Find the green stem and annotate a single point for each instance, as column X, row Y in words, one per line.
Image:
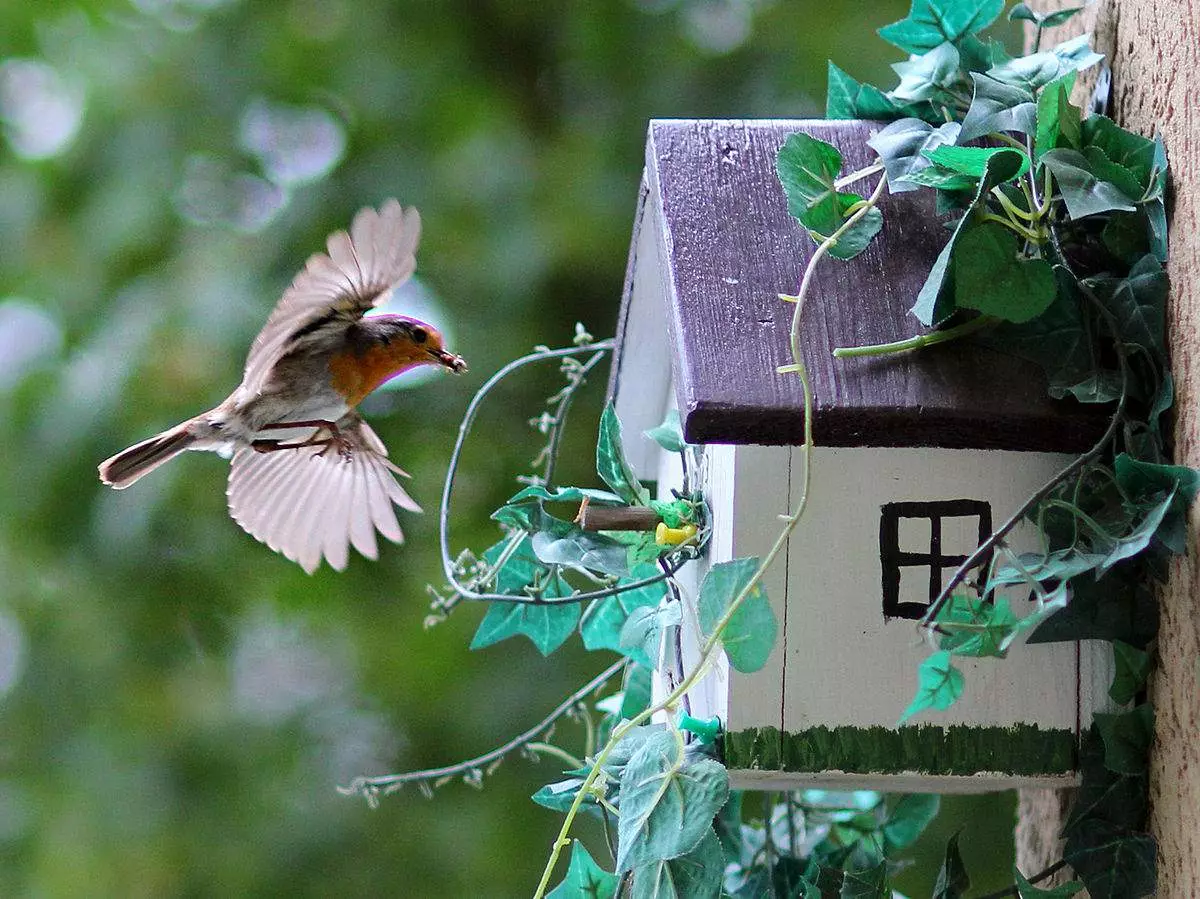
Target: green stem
column 1012, row 208
column 866, row 172
column 556, row 751
column 1019, row 230
column 1008, row 139
column 918, row 341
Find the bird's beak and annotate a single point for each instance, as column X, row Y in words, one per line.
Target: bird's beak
column 455, row 363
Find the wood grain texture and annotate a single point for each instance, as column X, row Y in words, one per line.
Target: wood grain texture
column 1038, row 835
column 729, row 247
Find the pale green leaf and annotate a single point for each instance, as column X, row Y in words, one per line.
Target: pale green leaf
column 750, row 634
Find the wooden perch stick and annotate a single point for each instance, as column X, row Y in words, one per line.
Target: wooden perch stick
column 616, row 518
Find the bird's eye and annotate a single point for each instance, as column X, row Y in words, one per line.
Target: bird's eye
column 419, row 335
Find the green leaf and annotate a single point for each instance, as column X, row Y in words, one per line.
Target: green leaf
column 974, row 161
column 585, row 879
column 1037, row 70
column 642, row 632
column 669, row 434
column 750, row 634
column 867, row 883
column 927, row 77
column 848, row 99
column 1148, row 479
column 996, row 106
column 604, row 618
column 1050, row 20
column 1126, row 149
column 1120, row 800
column 1127, row 737
column 1081, row 190
column 939, row 684
column 1058, row 120
column 907, row 820
column 953, row 881
column 1133, row 666
column 564, row 495
column 546, row 626
column 807, row 168
column 1118, row 606
column 992, row 277
column 560, row 796
column 1060, row 565
column 901, row 147
column 635, row 697
column 696, row 875
column 1026, row 890
column 1112, row 862
column 1138, row 303
column 976, row 628
column 1132, row 543
column 1116, row 174
column 933, row 22
column 611, row 464
column 668, row 801
column 581, row 550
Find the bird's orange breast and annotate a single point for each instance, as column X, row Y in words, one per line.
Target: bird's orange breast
column 354, row 375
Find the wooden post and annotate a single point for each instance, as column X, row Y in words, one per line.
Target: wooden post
column 1153, row 47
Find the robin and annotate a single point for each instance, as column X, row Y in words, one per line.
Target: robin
column 309, row 477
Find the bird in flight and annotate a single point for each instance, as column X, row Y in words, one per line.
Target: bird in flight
column 309, row 477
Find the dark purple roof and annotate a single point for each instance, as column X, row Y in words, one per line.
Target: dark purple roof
column 731, row 248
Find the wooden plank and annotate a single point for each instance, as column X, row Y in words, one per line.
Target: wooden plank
column 729, row 247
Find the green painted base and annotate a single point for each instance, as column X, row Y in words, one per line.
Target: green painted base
column 1022, row 749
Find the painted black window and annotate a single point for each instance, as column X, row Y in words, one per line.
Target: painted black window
column 920, row 546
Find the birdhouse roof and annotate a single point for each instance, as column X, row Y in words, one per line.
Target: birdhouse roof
column 713, row 247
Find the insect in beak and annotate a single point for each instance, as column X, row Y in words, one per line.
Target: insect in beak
column 455, row 363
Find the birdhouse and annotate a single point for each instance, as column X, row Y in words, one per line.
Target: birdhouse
column 918, row 456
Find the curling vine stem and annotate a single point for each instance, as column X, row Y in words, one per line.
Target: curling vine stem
column 373, row 787
column 978, row 323
column 708, row 650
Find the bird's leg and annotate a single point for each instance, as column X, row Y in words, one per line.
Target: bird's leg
column 335, row 439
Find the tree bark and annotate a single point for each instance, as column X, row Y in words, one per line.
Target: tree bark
column 1153, row 47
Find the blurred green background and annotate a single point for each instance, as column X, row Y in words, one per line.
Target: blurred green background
column 177, row 703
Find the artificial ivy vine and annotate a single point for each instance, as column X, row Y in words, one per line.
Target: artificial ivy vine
column 1057, row 239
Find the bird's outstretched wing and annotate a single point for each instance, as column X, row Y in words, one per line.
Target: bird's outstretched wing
column 338, row 287
column 307, row 504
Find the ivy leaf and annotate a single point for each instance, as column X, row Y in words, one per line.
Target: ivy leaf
column 560, row 796
column 1116, row 174
column 846, row 98
column 1139, row 538
column 696, row 875
column 1127, row 737
column 1060, row 565
column 1056, row 340
column 939, row 684
column 953, row 881
column 547, row 627
column 902, row 145
column 581, row 550
column 1050, row 20
column 1026, row 890
column 750, row 634
column 997, row 106
column 867, row 883
column 935, row 302
column 1035, row 71
column 604, row 618
column 1105, row 795
column 992, row 277
column 807, row 168
column 668, row 801
column 974, row 161
column 611, row 465
column 1059, row 122
column 585, row 879
column 907, row 820
column 928, row 76
column 1113, row 863
column 1132, row 151
column 641, row 634
column 1082, row 191
column 635, row 697
column 933, row 22
column 1142, row 479
column 1115, row 607
column 976, row 628
column 1138, row 302
column 1133, row 665
column 669, row 434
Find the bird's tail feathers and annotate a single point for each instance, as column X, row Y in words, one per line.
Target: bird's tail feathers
column 129, row 465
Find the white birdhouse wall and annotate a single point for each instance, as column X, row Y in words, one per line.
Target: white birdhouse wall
column 844, row 670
